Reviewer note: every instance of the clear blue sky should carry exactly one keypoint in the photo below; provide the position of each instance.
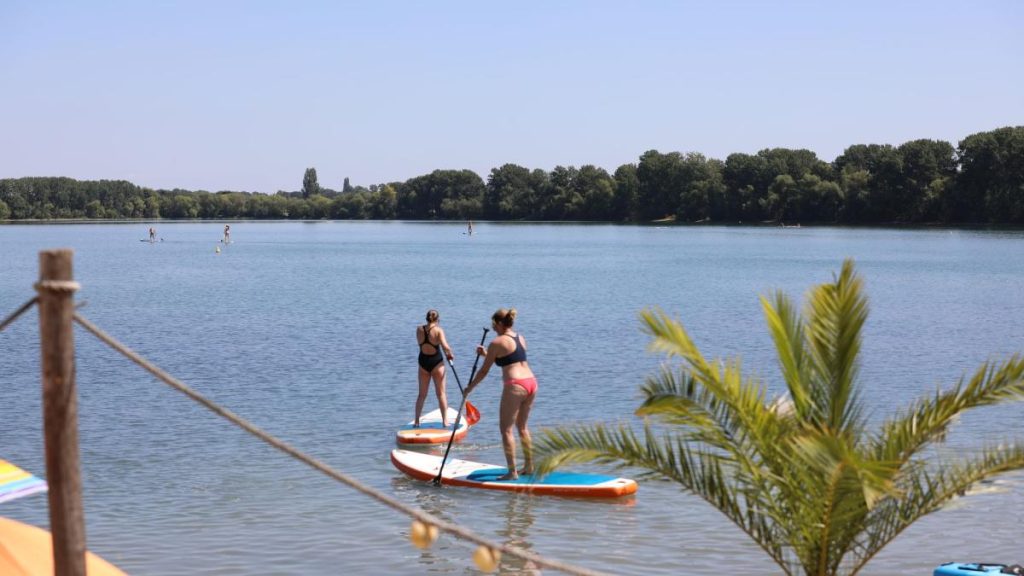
(233, 95)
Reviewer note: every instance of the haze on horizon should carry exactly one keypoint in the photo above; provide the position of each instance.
(234, 95)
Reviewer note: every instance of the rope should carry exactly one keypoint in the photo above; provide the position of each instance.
(39, 286)
(57, 286)
(416, 513)
(24, 308)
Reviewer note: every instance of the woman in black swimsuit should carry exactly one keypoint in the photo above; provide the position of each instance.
(431, 340)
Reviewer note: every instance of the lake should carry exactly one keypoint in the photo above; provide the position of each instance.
(307, 329)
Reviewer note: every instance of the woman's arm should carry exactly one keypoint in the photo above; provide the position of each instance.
(444, 345)
(492, 353)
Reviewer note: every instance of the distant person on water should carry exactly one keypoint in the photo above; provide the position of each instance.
(152, 234)
(508, 350)
(227, 233)
(431, 340)
(470, 232)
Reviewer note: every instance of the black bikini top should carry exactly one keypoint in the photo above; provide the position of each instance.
(517, 355)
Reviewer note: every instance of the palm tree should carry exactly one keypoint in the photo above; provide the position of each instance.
(804, 478)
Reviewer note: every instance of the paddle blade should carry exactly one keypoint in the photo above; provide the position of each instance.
(472, 413)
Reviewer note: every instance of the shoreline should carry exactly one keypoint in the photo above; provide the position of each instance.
(661, 223)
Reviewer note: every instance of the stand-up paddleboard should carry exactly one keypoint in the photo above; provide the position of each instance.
(958, 569)
(476, 475)
(431, 430)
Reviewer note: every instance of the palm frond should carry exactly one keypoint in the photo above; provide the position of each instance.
(707, 392)
(671, 338)
(701, 471)
(787, 332)
(835, 314)
(928, 419)
(928, 490)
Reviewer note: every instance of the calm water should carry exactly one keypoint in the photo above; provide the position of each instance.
(307, 329)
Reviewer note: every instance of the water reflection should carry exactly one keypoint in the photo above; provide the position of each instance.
(519, 518)
(515, 518)
(439, 558)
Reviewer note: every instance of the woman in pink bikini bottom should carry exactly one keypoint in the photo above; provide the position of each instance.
(508, 350)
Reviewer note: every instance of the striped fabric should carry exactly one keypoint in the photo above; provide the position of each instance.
(15, 482)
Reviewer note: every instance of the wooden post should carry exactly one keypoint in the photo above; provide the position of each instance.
(60, 411)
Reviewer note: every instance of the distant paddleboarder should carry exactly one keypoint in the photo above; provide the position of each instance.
(470, 230)
(152, 234)
(227, 233)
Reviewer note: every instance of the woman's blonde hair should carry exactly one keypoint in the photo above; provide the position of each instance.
(504, 317)
(432, 316)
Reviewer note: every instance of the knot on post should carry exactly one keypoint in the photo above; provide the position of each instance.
(56, 286)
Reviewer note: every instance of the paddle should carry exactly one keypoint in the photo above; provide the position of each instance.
(472, 414)
(458, 416)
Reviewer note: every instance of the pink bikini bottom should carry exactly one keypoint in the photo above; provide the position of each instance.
(528, 384)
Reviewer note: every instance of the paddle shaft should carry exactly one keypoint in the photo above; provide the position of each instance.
(469, 408)
(458, 416)
(456, 374)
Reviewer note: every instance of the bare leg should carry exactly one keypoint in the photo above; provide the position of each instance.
(424, 379)
(512, 398)
(442, 397)
(524, 433)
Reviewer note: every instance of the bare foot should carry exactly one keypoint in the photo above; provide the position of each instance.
(509, 476)
(526, 471)
(416, 425)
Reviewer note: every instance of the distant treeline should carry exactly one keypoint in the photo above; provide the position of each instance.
(921, 181)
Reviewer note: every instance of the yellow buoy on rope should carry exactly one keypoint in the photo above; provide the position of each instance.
(422, 535)
(486, 558)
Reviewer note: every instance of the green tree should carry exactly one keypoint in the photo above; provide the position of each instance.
(927, 166)
(5, 211)
(351, 206)
(319, 208)
(514, 193)
(597, 189)
(684, 186)
(746, 178)
(560, 200)
(572, 193)
(806, 479)
(310, 186)
(442, 194)
(280, 207)
(990, 185)
(701, 188)
(95, 209)
(624, 205)
(384, 202)
(659, 186)
(20, 206)
(780, 198)
(183, 206)
(855, 190)
(818, 199)
(883, 199)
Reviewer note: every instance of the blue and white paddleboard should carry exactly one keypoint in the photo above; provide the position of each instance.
(477, 475)
(974, 569)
